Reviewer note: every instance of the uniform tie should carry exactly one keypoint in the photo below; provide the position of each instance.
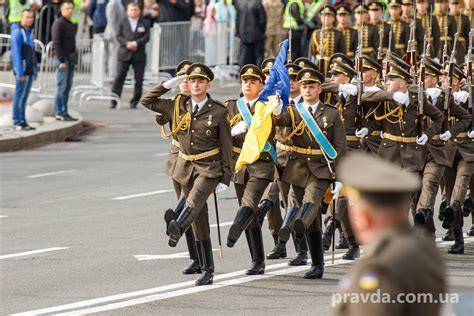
(292, 102)
(195, 109)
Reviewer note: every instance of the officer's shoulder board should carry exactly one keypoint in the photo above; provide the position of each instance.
(227, 102)
(331, 106)
(220, 103)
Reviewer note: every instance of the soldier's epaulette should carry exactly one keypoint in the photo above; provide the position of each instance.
(331, 106)
(220, 103)
(182, 95)
(226, 103)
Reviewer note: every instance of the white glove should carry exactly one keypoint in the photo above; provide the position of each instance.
(461, 96)
(362, 133)
(381, 134)
(422, 140)
(336, 189)
(239, 128)
(174, 82)
(401, 98)
(277, 106)
(348, 89)
(445, 136)
(221, 187)
(433, 92)
(470, 134)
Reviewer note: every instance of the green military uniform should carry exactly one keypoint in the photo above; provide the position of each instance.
(400, 32)
(398, 260)
(251, 181)
(204, 159)
(194, 266)
(423, 28)
(447, 28)
(307, 170)
(369, 33)
(333, 41)
(349, 33)
(463, 27)
(382, 27)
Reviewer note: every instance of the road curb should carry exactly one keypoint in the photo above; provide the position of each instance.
(41, 137)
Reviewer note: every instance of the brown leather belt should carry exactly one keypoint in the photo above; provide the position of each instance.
(200, 156)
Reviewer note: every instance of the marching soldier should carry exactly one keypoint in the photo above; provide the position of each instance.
(313, 22)
(252, 180)
(400, 30)
(344, 97)
(369, 33)
(371, 71)
(436, 160)
(344, 26)
(463, 27)
(407, 11)
(204, 160)
(399, 115)
(327, 41)
(457, 178)
(376, 11)
(397, 259)
(447, 27)
(170, 214)
(469, 11)
(423, 27)
(279, 251)
(267, 64)
(318, 140)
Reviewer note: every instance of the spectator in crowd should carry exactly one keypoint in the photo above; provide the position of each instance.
(115, 13)
(273, 36)
(96, 11)
(196, 28)
(210, 34)
(24, 67)
(78, 6)
(225, 16)
(64, 42)
(175, 10)
(141, 3)
(251, 23)
(150, 11)
(133, 34)
(14, 9)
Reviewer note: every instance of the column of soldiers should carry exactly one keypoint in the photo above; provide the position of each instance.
(356, 92)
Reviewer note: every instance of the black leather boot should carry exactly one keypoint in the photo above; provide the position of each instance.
(172, 214)
(449, 236)
(315, 245)
(241, 221)
(255, 240)
(301, 258)
(300, 227)
(207, 266)
(263, 207)
(287, 226)
(328, 232)
(278, 252)
(177, 227)
(194, 266)
(353, 252)
(458, 247)
(467, 206)
(421, 216)
(342, 243)
(447, 215)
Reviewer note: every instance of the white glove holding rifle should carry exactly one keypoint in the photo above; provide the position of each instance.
(174, 82)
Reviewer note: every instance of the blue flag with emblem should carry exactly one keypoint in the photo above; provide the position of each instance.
(279, 80)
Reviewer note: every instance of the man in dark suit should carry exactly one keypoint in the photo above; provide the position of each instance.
(133, 34)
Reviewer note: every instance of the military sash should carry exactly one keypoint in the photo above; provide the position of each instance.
(320, 138)
(247, 116)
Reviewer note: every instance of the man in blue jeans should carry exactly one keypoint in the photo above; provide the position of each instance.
(24, 67)
(63, 33)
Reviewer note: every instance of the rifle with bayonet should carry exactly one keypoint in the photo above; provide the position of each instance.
(448, 86)
(444, 57)
(410, 57)
(321, 50)
(421, 89)
(290, 39)
(360, 82)
(387, 56)
(381, 36)
(429, 39)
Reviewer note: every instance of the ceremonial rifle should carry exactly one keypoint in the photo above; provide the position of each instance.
(410, 57)
(445, 47)
(428, 45)
(290, 38)
(421, 89)
(387, 56)
(381, 36)
(360, 82)
(448, 87)
(321, 50)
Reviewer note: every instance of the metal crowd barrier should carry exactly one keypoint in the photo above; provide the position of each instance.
(44, 20)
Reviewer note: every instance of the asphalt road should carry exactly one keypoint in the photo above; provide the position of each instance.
(81, 231)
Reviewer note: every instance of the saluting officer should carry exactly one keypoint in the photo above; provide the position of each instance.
(318, 140)
(204, 160)
(397, 259)
(252, 180)
(170, 214)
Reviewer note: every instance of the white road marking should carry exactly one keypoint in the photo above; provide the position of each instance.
(127, 197)
(33, 252)
(221, 224)
(3, 216)
(134, 296)
(164, 288)
(50, 174)
(193, 290)
(165, 257)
